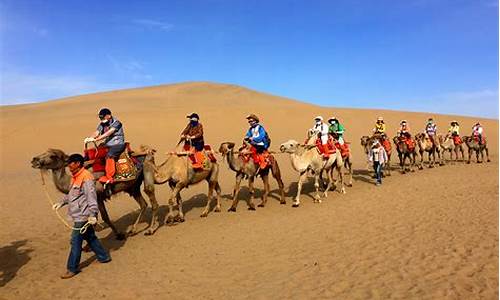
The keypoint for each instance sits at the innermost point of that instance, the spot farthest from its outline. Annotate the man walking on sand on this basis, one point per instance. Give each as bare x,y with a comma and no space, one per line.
82,209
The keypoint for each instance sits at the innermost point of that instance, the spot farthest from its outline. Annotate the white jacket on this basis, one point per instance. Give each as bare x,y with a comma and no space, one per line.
321,129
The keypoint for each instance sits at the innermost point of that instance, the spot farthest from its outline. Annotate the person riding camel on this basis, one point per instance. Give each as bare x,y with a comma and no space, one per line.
431,130
404,129
454,131
258,139
477,132
336,130
193,140
379,128
110,129
320,130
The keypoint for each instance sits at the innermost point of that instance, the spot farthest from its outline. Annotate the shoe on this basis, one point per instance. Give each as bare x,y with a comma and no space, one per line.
105,261
68,274
378,184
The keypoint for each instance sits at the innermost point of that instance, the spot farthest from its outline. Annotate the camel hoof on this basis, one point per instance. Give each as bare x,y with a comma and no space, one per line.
232,209
131,233
261,205
121,236
295,205
217,209
149,232
283,202
252,208
349,184
204,215
169,220
468,162
179,219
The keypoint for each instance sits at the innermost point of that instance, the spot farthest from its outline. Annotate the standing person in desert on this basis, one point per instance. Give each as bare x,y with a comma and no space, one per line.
378,156
82,209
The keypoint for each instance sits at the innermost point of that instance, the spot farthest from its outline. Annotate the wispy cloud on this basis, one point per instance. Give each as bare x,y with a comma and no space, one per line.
153,24
129,67
17,88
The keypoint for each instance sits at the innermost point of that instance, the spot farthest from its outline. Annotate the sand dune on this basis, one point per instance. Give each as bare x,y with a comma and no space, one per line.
432,234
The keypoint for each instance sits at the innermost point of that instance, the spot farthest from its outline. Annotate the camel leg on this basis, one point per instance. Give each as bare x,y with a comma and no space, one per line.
265,180
421,160
180,212
143,205
153,226
171,217
105,218
388,168
302,178
317,197
275,170
211,188
217,197
236,190
251,191
487,155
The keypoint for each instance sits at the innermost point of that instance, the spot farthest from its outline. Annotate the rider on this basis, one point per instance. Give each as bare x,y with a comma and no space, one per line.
431,129
193,137
110,129
477,131
379,127
454,129
258,138
404,129
320,130
336,129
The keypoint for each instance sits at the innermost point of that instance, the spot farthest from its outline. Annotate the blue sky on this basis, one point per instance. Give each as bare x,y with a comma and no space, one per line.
418,55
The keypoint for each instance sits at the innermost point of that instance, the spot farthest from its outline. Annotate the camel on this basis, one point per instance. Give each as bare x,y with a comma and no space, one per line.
367,142
250,170
425,144
447,144
55,161
473,145
306,158
403,153
178,172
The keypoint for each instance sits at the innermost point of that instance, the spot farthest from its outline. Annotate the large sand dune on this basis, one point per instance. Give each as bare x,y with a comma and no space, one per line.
429,234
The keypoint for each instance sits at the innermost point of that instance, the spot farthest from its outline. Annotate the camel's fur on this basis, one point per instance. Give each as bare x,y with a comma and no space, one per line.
306,158
54,160
403,153
447,144
479,149
250,170
178,172
425,144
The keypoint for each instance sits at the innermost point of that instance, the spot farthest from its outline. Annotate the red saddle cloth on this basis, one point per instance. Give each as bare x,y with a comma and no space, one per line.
457,140
387,145
260,159
326,149
409,142
344,149
476,138
98,156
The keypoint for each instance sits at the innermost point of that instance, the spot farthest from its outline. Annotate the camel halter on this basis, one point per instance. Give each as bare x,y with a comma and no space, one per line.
82,229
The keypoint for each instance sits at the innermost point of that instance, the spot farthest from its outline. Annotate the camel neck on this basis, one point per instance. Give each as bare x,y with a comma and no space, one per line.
61,180
231,160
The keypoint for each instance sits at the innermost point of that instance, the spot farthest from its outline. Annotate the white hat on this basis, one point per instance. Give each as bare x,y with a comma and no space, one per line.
318,118
380,119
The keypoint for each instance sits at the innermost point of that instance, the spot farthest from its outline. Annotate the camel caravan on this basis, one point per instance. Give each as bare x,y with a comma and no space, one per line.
324,155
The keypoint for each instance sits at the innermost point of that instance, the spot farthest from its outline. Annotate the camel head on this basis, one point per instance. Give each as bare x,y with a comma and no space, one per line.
148,151
420,136
289,146
364,140
225,147
52,159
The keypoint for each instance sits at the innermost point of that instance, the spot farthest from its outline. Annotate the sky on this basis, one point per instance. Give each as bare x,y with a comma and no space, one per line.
417,55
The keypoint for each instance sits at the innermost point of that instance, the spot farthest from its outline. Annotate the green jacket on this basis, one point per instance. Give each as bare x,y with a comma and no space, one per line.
337,129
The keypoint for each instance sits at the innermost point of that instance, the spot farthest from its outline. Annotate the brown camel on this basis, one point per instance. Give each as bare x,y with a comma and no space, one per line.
250,170
474,145
306,158
178,172
367,142
425,144
405,152
55,160
447,144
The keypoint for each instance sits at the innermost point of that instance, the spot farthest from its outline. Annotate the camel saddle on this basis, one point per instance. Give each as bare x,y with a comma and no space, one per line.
408,141
344,149
260,159
457,140
476,139
200,160
329,148
127,166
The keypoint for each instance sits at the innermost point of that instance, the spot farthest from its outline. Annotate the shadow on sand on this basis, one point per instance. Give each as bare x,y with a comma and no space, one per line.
12,258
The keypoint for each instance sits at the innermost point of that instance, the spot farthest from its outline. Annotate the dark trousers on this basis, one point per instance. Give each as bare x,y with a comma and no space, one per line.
377,167
76,247
115,151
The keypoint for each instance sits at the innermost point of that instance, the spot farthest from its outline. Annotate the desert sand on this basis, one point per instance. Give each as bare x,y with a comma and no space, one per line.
431,234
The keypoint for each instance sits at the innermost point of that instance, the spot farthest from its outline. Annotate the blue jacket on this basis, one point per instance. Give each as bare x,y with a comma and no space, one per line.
259,135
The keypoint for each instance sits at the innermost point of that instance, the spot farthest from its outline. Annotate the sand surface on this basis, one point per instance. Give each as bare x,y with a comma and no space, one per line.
431,234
